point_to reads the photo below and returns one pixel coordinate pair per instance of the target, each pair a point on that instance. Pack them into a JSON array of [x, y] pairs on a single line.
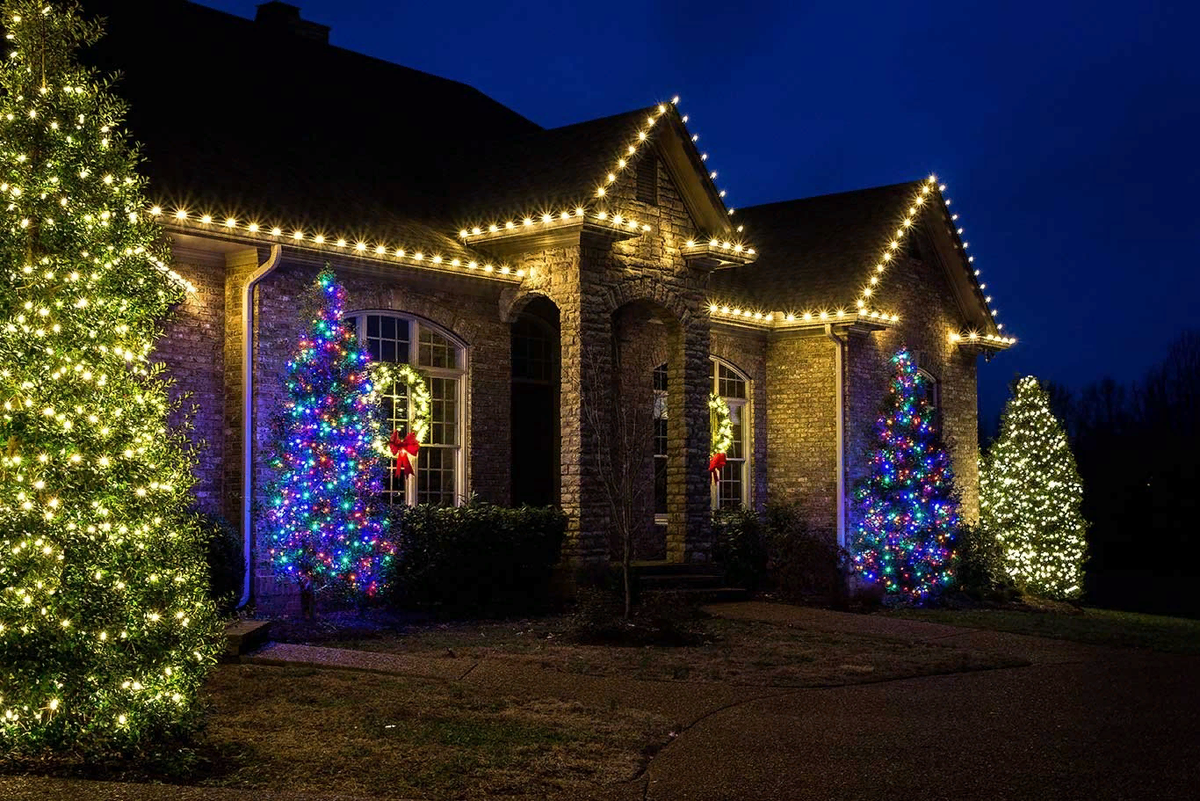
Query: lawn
[[729, 651], [387, 736], [1094, 626]]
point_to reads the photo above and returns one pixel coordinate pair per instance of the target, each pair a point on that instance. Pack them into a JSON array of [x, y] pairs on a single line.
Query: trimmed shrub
[[979, 565], [477, 558], [226, 563], [801, 565], [740, 546]]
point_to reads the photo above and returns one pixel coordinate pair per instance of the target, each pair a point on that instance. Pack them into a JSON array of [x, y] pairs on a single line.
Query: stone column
[[689, 510]]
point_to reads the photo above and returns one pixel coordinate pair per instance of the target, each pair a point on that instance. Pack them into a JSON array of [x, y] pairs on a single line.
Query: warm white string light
[[776, 319], [182, 218]]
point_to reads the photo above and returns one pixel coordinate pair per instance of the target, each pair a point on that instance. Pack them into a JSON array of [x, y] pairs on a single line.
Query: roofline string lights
[[511, 227], [777, 319], [997, 340], [893, 245], [359, 248]]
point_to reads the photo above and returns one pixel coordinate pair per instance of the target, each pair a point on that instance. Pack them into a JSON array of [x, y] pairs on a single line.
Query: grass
[[1093, 626], [385, 736], [729, 651]]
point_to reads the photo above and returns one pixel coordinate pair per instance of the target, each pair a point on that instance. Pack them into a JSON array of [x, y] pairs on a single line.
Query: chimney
[[285, 18]]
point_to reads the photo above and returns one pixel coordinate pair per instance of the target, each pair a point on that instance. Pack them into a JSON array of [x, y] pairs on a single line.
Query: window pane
[[435, 476], [387, 338], [729, 383], [436, 351], [443, 411], [660, 378], [729, 487], [660, 485]]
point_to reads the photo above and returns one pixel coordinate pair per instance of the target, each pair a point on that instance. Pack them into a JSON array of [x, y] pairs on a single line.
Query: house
[[532, 276]]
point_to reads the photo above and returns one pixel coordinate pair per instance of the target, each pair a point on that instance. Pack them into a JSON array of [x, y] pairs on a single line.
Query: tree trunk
[[308, 602]]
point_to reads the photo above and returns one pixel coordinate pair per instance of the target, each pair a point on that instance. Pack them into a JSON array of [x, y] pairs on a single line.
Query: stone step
[[700, 595], [244, 636], [682, 581]]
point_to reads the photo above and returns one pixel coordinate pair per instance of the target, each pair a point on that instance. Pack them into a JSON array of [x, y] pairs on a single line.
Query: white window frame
[[745, 416], [459, 374]]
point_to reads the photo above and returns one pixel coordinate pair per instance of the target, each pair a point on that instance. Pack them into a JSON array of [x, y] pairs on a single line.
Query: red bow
[[715, 464], [401, 449]]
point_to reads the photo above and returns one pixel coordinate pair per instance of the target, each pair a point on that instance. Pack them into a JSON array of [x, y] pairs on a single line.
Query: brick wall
[[467, 310], [802, 428], [921, 295], [190, 347]]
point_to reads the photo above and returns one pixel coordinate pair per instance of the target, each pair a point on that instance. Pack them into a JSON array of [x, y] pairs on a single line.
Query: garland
[[385, 375], [722, 437], [722, 434]]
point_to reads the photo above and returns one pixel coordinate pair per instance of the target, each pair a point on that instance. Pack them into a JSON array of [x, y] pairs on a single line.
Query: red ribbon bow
[[715, 464], [401, 449]]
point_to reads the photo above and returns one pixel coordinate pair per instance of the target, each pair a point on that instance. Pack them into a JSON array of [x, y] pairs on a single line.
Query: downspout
[[260, 273], [839, 345]]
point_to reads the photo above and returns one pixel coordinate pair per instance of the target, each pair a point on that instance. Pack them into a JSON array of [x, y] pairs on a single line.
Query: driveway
[[1079, 722]]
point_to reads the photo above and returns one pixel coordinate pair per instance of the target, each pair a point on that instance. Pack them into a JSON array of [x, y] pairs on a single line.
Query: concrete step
[[682, 581], [244, 636]]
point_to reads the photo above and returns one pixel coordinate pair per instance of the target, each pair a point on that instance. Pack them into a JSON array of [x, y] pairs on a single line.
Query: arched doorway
[[535, 423]]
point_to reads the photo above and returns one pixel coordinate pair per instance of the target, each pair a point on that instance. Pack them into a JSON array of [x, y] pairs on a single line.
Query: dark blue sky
[[1066, 131]]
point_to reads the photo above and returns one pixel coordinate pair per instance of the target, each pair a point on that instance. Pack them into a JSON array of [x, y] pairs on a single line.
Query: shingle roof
[[253, 121], [814, 253], [546, 170]]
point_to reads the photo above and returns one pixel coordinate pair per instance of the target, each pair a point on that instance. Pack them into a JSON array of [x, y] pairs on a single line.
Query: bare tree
[[619, 425]]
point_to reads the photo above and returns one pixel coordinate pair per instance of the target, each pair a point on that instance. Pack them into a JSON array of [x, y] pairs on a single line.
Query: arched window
[[442, 360], [732, 488]]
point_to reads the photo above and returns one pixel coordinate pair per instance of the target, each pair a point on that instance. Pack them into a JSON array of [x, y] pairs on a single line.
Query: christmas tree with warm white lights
[[1030, 497], [906, 506], [323, 517], [105, 629]]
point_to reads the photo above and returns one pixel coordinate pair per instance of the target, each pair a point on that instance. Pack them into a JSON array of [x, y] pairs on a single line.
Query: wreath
[[404, 448], [722, 434]]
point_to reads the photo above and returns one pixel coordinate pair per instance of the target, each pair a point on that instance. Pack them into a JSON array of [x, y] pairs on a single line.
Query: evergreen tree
[[906, 506], [323, 520], [1031, 497], [105, 628]]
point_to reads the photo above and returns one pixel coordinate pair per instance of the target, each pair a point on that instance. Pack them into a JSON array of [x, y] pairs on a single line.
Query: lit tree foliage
[[907, 508], [105, 629], [323, 517], [1031, 494]]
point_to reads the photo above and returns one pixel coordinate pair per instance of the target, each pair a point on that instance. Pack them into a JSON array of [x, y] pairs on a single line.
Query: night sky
[[1066, 131]]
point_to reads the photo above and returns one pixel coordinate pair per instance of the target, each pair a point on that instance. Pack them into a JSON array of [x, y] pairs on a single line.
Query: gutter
[[839, 346], [263, 270]]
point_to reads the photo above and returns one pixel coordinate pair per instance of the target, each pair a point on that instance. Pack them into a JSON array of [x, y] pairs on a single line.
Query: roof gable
[[562, 170], [831, 252]]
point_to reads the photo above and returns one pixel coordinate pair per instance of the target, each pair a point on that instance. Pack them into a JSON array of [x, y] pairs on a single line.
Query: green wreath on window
[[722, 435], [385, 375]]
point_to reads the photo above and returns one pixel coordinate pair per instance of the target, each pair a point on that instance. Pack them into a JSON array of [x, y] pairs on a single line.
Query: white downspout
[[838, 408], [260, 273]]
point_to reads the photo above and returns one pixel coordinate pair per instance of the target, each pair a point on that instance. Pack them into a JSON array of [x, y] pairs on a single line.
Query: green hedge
[[226, 561], [475, 559]]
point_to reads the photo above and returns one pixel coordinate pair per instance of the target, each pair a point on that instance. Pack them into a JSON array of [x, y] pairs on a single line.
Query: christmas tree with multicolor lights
[[323, 518], [906, 506], [1030, 497], [106, 630]]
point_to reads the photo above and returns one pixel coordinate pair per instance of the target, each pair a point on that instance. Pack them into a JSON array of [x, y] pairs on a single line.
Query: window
[[647, 180], [731, 489], [441, 360], [732, 486]]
